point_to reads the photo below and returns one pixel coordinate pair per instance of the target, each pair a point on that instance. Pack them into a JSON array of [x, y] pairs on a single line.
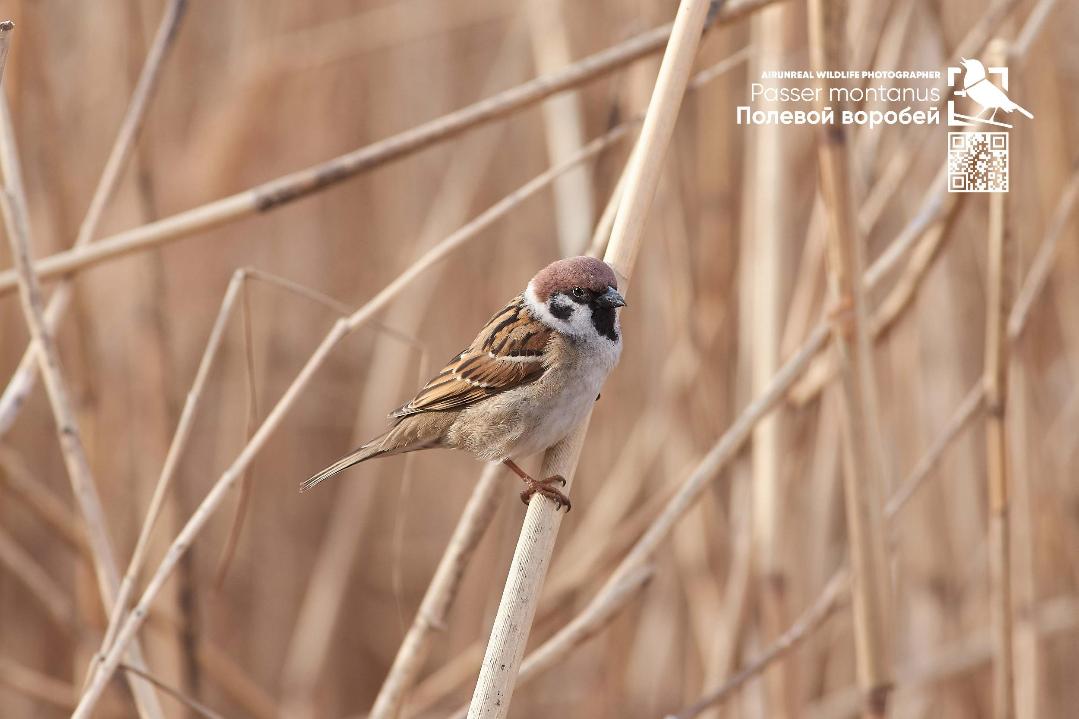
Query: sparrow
[[524, 383], [978, 88]]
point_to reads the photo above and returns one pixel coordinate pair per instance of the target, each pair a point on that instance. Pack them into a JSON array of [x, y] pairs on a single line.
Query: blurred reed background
[[306, 618]]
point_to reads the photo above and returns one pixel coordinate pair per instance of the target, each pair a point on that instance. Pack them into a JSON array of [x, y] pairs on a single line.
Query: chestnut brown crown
[[563, 275]]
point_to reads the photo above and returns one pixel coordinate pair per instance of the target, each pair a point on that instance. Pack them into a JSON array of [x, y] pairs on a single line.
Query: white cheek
[[580, 322], [539, 310]]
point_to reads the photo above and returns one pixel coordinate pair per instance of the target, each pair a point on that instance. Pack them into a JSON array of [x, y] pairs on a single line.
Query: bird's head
[[973, 66], [577, 296]]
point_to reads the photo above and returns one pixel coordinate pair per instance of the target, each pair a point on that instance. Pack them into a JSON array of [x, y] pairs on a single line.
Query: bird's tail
[[368, 451], [1024, 111]]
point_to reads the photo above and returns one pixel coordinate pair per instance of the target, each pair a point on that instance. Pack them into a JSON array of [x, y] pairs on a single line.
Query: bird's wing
[[510, 351]]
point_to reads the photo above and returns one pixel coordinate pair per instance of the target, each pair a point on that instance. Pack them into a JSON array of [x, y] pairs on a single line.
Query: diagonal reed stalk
[[13, 207], [437, 600], [301, 183], [864, 470], [75, 460], [766, 243], [607, 601], [314, 631], [995, 378], [826, 604], [442, 591], [22, 382], [505, 649], [946, 205], [341, 329]]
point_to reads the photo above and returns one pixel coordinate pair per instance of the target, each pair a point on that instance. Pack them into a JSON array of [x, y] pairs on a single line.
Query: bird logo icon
[[977, 86]]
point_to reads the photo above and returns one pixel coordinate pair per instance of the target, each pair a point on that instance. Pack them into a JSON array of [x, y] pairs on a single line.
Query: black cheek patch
[[603, 321], [562, 312]]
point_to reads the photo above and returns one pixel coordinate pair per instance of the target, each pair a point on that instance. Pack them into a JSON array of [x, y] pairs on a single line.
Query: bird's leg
[[540, 486]]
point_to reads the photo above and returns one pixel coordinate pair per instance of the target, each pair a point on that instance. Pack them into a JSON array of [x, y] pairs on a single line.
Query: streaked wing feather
[[507, 353]]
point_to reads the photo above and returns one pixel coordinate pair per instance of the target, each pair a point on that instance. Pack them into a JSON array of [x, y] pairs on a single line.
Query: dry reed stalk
[[36, 685], [829, 600], [865, 469], [222, 670], [902, 293], [728, 445], [593, 562], [584, 626], [342, 328], [882, 193], [236, 683], [613, 508], [765, 249], [232, 539], [320, 609], [218, 665], [1050, 618], [185, 425], [505, 649], [178, 445], [610, 597], [22, 382], [1031, 697], [516, 610], [932, 212], [734, 621], [283, 190], [172, 460], [936, 200], [808, 287], [52, 510], [937, 228], [906, 285], [25, 568], [944, 207], [563, 124], [968, 409], [371, 29], [722, 453], [704, 589], [585, 558], [193, 705], [1042, 263], [880, 51], [1030, 661], [726, 449], [1032, 27], [602, 233], [434, 609], [78, 468], [995, 378]]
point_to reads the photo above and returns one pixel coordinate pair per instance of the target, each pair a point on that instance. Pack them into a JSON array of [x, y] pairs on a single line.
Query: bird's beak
[[610, 298]]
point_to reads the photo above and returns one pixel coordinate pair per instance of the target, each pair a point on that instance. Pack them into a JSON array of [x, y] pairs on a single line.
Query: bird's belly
[[531, 418], [551, 422]]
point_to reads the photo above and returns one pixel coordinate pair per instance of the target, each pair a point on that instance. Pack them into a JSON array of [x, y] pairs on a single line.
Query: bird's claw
[[543, 487]]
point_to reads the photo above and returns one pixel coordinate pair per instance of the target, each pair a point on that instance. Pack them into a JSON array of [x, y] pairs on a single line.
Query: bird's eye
[[578, 292]]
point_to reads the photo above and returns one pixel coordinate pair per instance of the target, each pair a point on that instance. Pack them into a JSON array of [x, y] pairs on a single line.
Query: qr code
[[977, 162]]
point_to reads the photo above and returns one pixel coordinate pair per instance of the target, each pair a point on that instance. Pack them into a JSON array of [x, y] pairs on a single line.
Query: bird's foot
[[546, 488]]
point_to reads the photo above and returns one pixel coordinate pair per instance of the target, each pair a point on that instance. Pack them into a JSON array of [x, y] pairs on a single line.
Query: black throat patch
[[603, 321]]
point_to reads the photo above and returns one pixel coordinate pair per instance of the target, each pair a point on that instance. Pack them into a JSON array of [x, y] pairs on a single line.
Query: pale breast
[[533, 417]]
